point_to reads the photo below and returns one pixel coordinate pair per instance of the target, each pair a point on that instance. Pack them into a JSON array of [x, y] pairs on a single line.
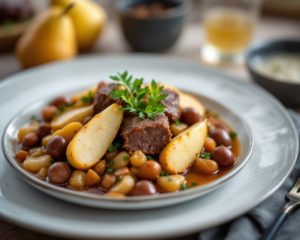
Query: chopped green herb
[[206, 155], [184, 186], [88, 98], [164, 173], [110, 170], [194, 184], [52, 161], [118, 179], [114, 147], [177, 122], [150, 157], [126, 158], [144, 101], [7, 25], [63, 107], [34, 118], [233, 134]]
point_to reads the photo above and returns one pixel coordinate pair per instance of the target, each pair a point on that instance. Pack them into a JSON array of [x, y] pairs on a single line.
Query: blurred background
[[204, 31]]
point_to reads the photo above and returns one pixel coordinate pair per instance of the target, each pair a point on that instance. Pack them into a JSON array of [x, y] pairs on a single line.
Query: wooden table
[[188, 46]]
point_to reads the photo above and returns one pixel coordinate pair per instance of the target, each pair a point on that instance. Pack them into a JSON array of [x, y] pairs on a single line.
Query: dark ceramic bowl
[[155, 33], [288, 93]]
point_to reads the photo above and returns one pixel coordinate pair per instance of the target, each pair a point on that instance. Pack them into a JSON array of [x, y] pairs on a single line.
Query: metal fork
[[290, 206]]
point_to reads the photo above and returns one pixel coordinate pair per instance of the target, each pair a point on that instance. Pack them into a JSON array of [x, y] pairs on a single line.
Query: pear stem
[[68, 8]]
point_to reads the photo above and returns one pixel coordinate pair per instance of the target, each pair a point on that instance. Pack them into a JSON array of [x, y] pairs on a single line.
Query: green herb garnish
[[183, 186], [150, 157], [63, 107], [118, 179], [177, 122], [88, 98], [194, 184], [126, 158], [163, 174], [52, 161], [114, 147], [145, 101], [110, 170], [206, 155], [233, 134]]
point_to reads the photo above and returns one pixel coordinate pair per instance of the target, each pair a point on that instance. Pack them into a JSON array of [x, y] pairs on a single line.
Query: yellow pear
[[50, 37], [89, 19]]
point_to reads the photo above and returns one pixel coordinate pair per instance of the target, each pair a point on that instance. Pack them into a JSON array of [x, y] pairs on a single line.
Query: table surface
[[188, 46]]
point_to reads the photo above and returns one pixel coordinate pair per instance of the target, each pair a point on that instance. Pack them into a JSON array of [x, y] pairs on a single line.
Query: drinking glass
[[228, 29]]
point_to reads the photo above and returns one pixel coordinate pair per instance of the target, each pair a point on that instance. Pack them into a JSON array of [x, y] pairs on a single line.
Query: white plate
[[139, 202], [275, 143]]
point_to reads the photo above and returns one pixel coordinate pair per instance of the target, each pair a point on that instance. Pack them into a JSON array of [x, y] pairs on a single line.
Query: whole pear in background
[[89, 19], [50, 37]]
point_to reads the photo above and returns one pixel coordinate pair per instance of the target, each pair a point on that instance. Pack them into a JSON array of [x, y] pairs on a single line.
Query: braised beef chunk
[[103, 99], [149, 136], [171, 103]]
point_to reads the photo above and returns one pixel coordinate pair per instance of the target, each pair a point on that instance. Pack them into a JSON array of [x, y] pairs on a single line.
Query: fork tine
[[294, 192]]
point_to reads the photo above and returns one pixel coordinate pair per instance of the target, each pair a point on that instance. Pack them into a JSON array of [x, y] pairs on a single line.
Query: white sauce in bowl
[[283, 67]]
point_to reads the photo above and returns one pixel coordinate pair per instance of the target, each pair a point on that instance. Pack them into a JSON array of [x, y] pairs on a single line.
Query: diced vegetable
[[171, 183], [92, 178], [120, 161], [34, 164], [138, 159], [124, 186], [78, 179]]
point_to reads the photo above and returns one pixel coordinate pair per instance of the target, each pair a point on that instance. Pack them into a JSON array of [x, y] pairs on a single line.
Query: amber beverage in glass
[[228, 29]]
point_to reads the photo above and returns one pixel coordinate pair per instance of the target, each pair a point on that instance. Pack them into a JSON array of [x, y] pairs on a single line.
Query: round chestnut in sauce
[[59, 172], [143, 188], [56, 146], [223, 156], [190, 116], [59, 101], [43, 130], [221, 137], [30, 140]]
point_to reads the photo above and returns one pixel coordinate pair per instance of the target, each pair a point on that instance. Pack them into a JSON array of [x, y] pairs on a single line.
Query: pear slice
[[182, 150], [73, 115], [92, 141]]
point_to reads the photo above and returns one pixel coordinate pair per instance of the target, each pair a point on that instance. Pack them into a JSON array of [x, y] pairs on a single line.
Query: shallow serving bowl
[[9, 143], [286, 92]]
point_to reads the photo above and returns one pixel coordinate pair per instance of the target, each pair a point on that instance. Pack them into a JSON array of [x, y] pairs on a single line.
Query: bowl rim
[[252, 53], [178, 11], [84, 195]]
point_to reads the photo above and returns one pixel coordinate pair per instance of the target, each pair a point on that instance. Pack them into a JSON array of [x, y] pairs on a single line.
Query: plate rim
[[37, 226]]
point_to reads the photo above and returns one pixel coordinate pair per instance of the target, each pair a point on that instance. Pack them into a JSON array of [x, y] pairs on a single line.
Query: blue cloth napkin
[[251, 225]]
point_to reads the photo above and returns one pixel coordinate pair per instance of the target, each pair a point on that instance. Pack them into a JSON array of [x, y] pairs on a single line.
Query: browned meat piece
[[103, 99], [172, 105], [149, 136]]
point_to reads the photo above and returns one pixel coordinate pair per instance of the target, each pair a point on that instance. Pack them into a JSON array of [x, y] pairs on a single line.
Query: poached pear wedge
[[93, 139]]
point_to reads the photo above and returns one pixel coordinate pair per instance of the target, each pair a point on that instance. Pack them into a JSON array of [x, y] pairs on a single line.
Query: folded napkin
[[251, 225]]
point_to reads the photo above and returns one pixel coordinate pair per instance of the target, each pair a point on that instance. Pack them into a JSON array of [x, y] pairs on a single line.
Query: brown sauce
[[194, 179]]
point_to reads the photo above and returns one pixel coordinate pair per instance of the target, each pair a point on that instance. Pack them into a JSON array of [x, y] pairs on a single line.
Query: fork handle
[[275, 226]]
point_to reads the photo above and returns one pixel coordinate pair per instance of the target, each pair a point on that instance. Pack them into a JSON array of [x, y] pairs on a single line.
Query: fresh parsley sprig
[[145, 101]]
